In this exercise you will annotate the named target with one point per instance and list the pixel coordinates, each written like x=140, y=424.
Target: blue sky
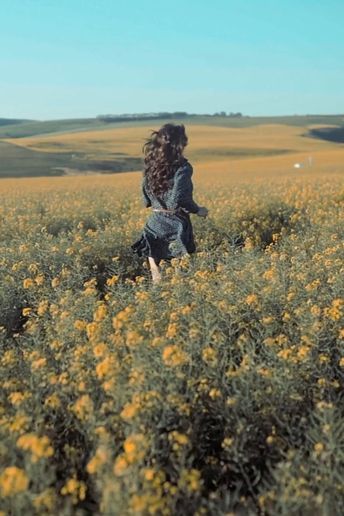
x=80, y=58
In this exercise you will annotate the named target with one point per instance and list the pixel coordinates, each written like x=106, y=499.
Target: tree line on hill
x=162, y=114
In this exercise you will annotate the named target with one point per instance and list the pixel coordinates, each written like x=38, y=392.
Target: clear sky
x=81, y=58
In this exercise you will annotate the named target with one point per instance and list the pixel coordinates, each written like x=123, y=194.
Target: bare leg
x=155, y=270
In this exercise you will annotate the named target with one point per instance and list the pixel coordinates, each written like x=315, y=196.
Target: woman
x=167, y=189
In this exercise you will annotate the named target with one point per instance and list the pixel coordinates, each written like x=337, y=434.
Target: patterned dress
x=169, y=235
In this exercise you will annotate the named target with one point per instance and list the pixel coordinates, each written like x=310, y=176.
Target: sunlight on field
x=218, y=390
x=227, y=154
x=203, y=139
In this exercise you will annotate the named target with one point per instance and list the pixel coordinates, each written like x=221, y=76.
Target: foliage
x=216, y=391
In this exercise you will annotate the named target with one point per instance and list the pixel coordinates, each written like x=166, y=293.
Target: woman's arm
x=145, y=197
x=183, y=189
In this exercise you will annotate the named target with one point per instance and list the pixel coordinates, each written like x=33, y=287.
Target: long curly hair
x=163, y=155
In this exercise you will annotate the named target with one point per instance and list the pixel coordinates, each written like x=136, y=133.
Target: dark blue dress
x=169, y=235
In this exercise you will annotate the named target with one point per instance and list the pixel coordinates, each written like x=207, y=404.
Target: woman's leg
x=155, y=270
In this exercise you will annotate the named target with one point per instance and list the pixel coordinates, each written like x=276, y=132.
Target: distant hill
x=95, y=145
x=12, y=121
x=22, y=128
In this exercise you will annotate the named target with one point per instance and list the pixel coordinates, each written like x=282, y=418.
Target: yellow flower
x=209, y=355
x=42, y=307
x=112, y=281
x=323, y=358
x=121, y=466
x=174, y=356
x=13, y=480
x=190, y=480
x=133, y=338
x=303, y=352
x=39, y=447
x=227, y=442
x=100, y=313
x=105, y=367
x=26, y=311
x=284, y=353
x=130, y=410
x=335, y=311
x=92, y=330
x=79, y=324
x=157, y=341
x=148, y=474
x=97, y=461
x=28, y=283
x=76, y=488
x=214, y=393
x=251, y=299
x=55, y=282
x=178, y=439
x=17, y=397
x=319, y=447
x=171, y=330
x=269, y=274
x=142, y=296
x=19, y=423
x=136, y=376
x=121, y=317
x=135, y=447
x=83, y=407
x=100, y=349
x=38, y=364
x=53, y=401
x=45, y=500
x=39, y=280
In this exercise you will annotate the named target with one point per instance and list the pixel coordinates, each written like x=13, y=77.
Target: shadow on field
x=330, y=134
x=261, y=229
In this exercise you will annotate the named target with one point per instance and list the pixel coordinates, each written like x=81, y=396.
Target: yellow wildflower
x=100, y=313
x=121, y=466
x=135, y=447
x=28, y=283
x=55, y=282
x=39, y=447
x=76, y=488
x=97, y=461
x=251, y=299
x=319, y=447
x=83, y=407
x=174, y=356
x=130, y=410
x=209, y=355
x=13, y=480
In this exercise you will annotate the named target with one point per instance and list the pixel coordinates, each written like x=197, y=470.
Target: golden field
x=211, y=148
x=217, y=391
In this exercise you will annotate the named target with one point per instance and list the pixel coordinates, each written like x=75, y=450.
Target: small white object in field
x=297, y=165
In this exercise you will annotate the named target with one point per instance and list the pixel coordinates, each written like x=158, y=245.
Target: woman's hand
x=203, y=211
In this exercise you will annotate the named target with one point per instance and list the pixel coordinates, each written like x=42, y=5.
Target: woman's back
x=168, y=232
x=178, y=194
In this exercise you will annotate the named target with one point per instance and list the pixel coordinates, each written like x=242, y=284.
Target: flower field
x=218, y=391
